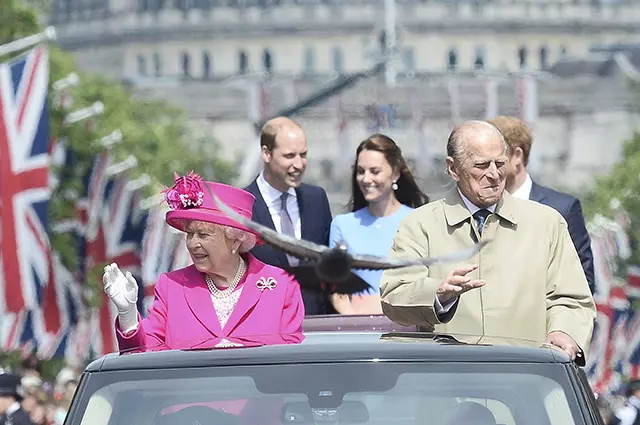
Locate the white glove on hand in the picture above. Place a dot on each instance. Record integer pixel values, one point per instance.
(123, 291)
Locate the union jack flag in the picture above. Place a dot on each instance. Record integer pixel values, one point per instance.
(28, 298)
(157, 252)
(163, 250)
(113, 234)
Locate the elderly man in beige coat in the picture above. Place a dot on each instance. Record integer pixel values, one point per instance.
(526, 283)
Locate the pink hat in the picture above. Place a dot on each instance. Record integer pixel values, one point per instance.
(189, 200)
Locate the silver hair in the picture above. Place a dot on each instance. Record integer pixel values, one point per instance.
(456, 142)
(246, 239)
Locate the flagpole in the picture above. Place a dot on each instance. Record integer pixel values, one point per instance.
(15, 46)
(390, 38)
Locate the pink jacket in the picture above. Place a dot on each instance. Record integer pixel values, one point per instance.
(183, 316)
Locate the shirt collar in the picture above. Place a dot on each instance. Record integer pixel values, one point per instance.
(13, 408)
(524, 191)
(472, 207)
(270, 194)
(457, 208)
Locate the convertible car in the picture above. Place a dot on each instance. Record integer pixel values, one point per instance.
(357, 375)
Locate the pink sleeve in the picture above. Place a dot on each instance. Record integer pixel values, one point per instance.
(150, 334)
(292, 314)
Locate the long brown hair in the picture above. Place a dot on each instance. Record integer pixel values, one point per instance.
(408, 192)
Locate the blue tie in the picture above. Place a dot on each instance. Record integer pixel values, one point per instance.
(481, 217)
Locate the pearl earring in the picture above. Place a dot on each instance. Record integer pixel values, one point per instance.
(233, 251)
(394, 186)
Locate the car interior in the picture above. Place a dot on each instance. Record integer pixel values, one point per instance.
(339, 394)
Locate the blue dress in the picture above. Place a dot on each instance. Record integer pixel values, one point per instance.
(366, 234)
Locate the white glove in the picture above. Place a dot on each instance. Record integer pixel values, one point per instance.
(123, 291)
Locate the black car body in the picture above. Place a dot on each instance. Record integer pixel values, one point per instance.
(344, 377)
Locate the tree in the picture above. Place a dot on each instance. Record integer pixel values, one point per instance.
(156, 133)
(620, 190)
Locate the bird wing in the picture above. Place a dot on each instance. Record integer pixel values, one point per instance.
(298, 248)
(379, 263)
(308, 279)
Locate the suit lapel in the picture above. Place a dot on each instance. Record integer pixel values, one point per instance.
(262, 215)
(199, 301)
(260, 210)
(537, 194)
(302, 208)
(248, 298)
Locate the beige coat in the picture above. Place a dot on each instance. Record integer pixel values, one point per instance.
(535, 283)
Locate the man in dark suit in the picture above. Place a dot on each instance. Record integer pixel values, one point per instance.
(287, 205)
(519, 183)
(11, 412)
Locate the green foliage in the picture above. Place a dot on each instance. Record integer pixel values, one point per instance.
(621, 185)
(49, 369)
(156, 133)
(17, 20)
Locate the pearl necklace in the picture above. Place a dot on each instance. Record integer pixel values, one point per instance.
(225, 293)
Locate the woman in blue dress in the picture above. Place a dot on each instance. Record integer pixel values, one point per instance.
(383, 192)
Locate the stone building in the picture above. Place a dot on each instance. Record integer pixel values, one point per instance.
(234, 62)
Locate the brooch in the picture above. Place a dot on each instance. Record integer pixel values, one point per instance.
(266, 283)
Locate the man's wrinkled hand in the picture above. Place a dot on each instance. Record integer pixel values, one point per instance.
(456, 283)
(564, 342)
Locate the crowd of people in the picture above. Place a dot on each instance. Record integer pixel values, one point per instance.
(237, 293)
(27, 397)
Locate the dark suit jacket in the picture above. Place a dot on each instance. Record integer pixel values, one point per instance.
(19, 417)
(315, 221)
(571, 210)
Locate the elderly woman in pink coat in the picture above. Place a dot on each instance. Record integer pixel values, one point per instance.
(225, 298)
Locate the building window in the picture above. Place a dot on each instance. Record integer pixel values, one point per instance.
(563, 51)
(479, 61)
(182, 4)
(157, 64)
(309, 60)
(452, 60)
(522, 57)
(338, 59)
(185, 64)
(142, 65)
(544, 58)
(408, 60)
(243, 62)
(206, 65)
(267, 61)
(382, 41)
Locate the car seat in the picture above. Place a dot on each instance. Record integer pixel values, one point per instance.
(469, 413)
(197, 415)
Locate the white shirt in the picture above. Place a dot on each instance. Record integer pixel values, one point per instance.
(628, 413)
(473, 208)
(15, 406)
(271, 197)
(524, 191)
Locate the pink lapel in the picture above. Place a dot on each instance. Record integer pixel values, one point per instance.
(249, 296)
(198, 298)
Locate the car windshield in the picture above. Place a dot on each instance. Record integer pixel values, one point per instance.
(376, 392)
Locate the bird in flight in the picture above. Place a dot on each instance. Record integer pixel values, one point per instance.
(327, 268)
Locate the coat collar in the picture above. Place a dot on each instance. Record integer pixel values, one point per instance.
(456, 212)
(199, 300)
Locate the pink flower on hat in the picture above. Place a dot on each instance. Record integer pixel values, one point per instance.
(186, 193)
